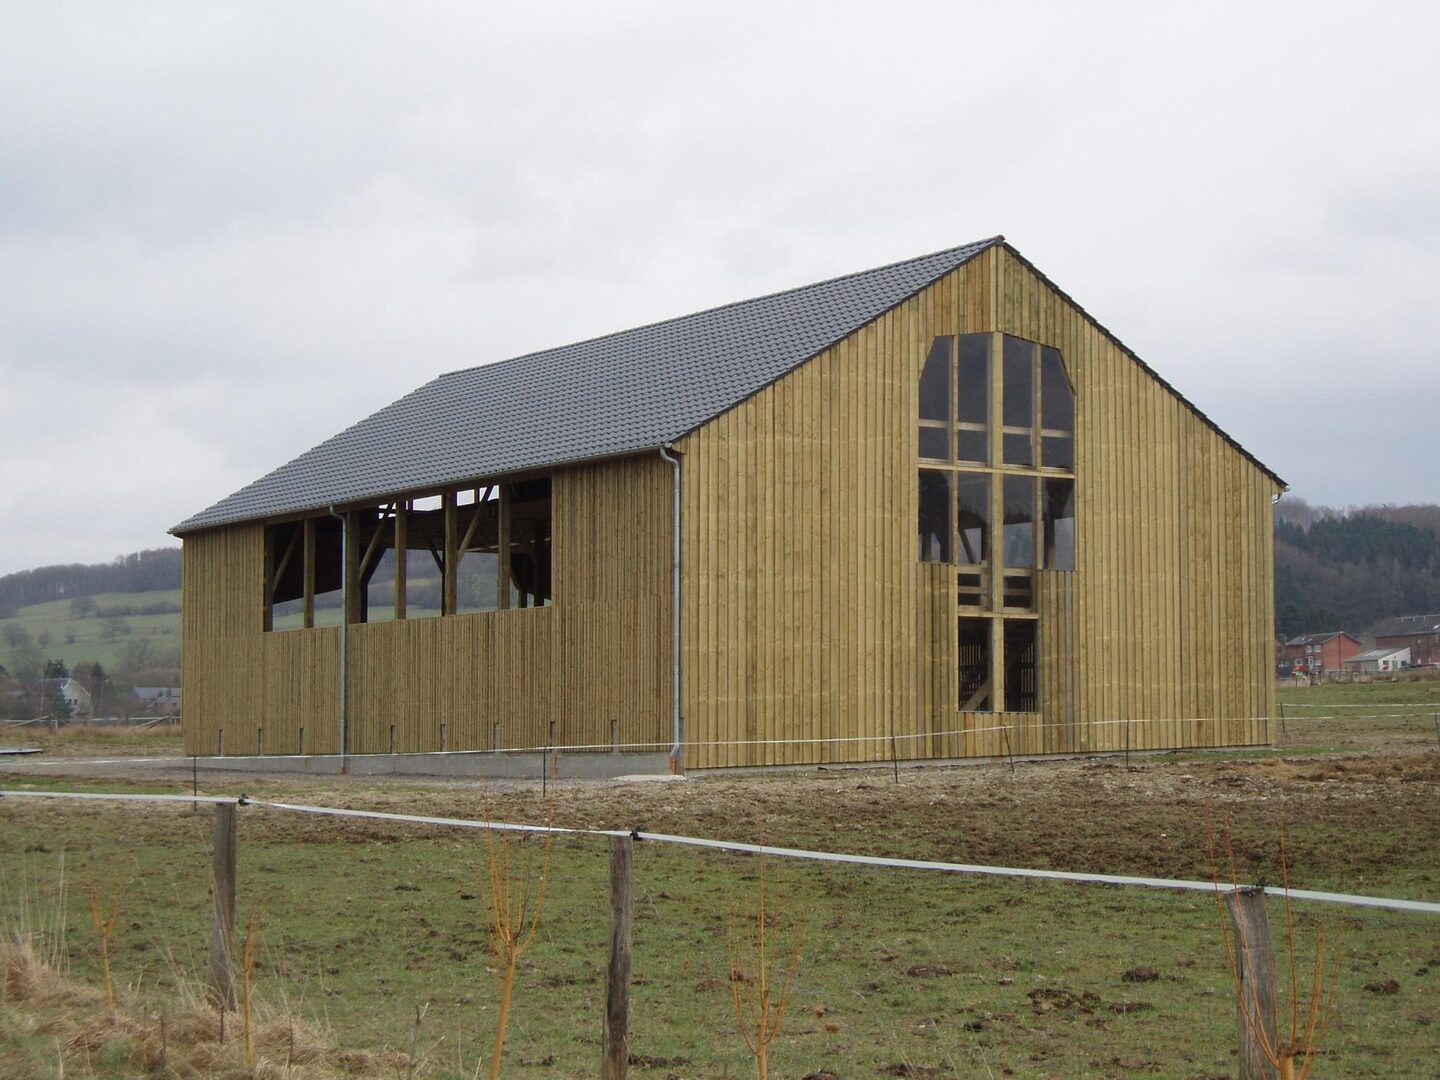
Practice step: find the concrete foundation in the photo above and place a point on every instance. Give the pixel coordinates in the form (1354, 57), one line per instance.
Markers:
(479, 764)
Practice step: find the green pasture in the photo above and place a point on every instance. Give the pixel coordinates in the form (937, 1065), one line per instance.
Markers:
(900, 972)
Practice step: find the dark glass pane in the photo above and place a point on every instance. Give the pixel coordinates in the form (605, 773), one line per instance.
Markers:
(1022, 690)
(1057, 400)
(935, 443)
(1019, 496)
(935, 382)
(934, 516)
(972, 498)
(972, 446)
(1019, 389)
(380, 590)
(1058, 452)
(970, 590)
(973, 368)
(974, 663)
(1019, 449)
(1060, 523)
(1018, 591)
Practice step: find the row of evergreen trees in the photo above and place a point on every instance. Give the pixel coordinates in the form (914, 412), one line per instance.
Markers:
(140, 571)
(1349, 569)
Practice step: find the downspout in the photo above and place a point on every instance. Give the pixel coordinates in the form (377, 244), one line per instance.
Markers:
(344, 622)
(677, 748)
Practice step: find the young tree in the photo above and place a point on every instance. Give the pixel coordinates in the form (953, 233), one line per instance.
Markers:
(135, 655)
(55, 703)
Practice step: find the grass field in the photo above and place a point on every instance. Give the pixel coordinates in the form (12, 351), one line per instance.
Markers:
(92, 642)
(902, 973)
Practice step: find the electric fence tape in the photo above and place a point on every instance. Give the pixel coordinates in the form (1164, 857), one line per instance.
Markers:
(737, 847)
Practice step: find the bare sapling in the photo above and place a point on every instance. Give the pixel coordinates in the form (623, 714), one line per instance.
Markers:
(247, 965)
(1290, 1053)
(517, 896)
(105, 905)
(761, 975)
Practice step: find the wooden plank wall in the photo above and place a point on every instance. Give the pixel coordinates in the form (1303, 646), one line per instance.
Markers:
(807, 616)
(600, 653)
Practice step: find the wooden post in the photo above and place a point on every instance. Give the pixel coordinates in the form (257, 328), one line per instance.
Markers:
(308, 531)
(1255, 970)
(222, 932)
(402, 549)
(502, 549)
(617, 987)
(450, 591)
(354, 586)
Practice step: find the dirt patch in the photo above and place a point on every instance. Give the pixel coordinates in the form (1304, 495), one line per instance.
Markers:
(1349, 817)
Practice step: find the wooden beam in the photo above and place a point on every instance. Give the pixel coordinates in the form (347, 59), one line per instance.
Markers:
(279, 571)
(502, 549)
(448, 570)
(354, 586)
(374, 541)
(401, 555)
(309, 531)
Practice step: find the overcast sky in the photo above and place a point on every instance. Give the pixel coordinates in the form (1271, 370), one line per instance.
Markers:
(228, 231)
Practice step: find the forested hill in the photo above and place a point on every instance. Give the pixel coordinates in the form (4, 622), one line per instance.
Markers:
(1347, 569)
(142, 571)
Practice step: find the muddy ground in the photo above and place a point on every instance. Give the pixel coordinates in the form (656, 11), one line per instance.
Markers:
(1355, 822)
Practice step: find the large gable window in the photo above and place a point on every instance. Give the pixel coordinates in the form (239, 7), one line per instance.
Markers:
(996, 444)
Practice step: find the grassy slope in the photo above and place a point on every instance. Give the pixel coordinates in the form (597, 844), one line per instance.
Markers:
(163, 631)
(54, 618)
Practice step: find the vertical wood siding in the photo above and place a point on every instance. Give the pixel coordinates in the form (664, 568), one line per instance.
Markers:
(600, 653)
(807, 615)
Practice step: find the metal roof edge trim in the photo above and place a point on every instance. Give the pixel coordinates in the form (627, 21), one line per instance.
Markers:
(380, 497)
(1146, 367)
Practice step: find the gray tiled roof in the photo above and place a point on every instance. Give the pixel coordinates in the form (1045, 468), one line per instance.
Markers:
(1406, 625)
(623, 393)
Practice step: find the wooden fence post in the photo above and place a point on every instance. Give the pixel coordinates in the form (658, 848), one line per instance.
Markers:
(617, 986)
(1255, 994)
(222, 932)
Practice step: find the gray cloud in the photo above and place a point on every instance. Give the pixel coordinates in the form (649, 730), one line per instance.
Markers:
(226, 232)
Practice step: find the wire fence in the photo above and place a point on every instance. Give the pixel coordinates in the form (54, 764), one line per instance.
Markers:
(375, 879)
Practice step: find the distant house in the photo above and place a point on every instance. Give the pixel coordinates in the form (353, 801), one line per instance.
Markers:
(75, 695)
(1316, 654)
(158, 700)
(1419, 633)
(1379, 661)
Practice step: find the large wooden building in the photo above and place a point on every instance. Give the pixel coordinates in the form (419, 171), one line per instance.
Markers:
(928, 511)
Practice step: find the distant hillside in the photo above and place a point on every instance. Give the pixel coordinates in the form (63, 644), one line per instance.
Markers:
(141, 571)
(1348, 569)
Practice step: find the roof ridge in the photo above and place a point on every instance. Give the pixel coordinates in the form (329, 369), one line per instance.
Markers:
(977, 245)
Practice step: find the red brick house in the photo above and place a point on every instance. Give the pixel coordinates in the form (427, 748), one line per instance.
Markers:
(1317, 654)
(1419, 633)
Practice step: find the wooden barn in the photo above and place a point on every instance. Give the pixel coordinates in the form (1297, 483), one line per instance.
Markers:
(927, 511)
